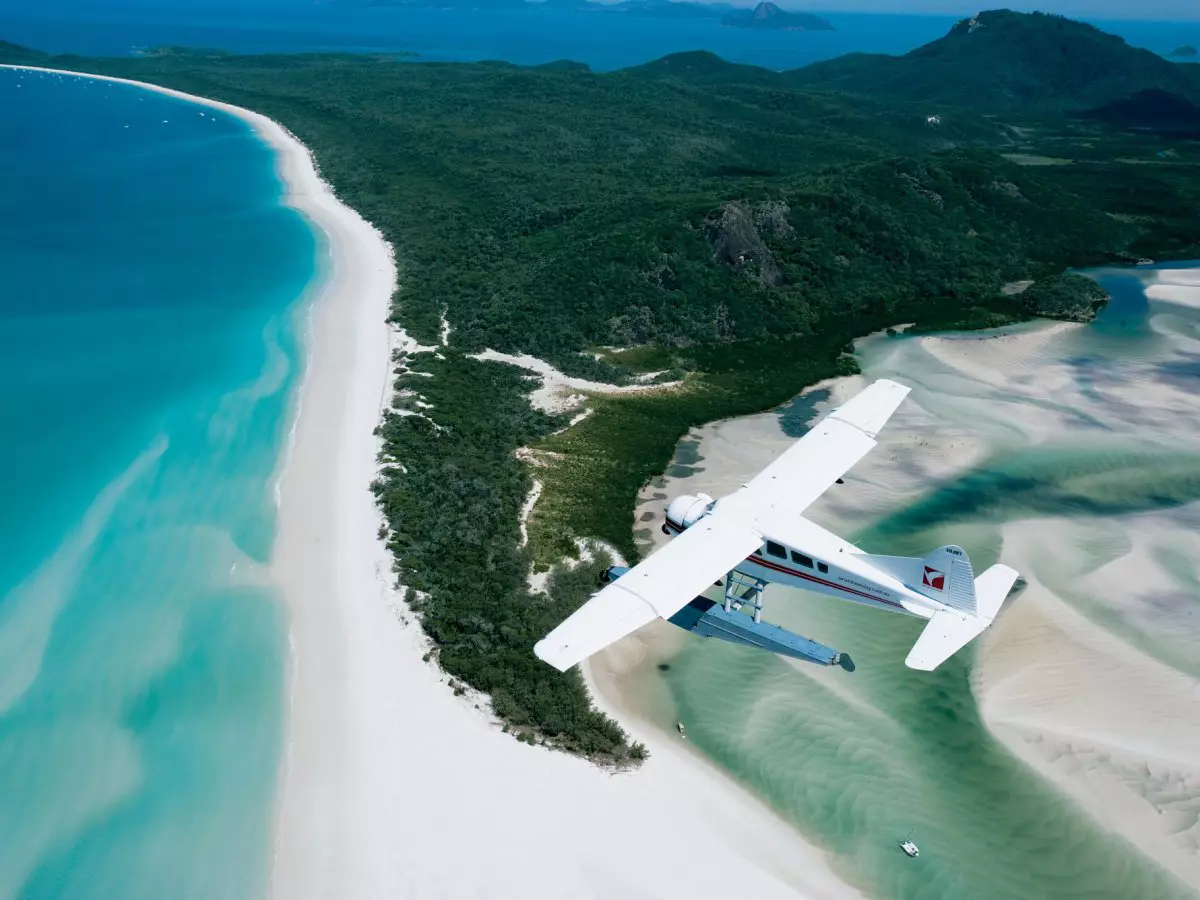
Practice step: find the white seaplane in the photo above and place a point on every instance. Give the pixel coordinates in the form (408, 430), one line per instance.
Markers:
(758, 536)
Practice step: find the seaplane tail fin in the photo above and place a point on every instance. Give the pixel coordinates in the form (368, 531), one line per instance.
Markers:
(949, 630)
(945, 575)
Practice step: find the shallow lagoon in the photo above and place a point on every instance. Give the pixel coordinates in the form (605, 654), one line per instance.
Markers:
(1072, 453)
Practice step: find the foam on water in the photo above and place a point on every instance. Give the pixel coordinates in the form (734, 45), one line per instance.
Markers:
(148, 351)
(1072, 453)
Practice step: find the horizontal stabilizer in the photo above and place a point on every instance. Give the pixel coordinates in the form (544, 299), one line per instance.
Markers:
(945, 634)
(991, 588)
(950, 630)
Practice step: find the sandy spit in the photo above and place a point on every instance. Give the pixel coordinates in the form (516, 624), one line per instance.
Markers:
(559, 392)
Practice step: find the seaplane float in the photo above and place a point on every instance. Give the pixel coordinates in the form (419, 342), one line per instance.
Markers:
(758, 535)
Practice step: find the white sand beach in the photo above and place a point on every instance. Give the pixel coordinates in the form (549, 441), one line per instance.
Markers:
(1180, 286)
(391, 785)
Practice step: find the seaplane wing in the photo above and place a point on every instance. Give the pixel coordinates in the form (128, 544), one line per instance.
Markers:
(727, 532)
(827, 452)
(658, 587)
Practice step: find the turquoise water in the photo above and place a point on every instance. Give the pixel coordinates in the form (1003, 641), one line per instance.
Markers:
(148, 322)
(857, 760)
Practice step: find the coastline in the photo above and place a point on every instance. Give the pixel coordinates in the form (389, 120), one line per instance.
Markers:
(389, 778)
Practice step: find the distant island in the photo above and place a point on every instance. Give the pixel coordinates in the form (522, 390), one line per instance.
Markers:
(765, 15)
(659, 9)
(1187, 51)
(768, 15)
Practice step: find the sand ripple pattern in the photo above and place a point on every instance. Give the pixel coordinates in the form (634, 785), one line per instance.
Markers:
(1059, 758)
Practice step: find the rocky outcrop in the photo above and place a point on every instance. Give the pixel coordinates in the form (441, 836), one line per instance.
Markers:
(1009, 190)
(736, 236)
(914, 184)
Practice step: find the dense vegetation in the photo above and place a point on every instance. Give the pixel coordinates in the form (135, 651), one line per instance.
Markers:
(737, 229)
(453, 504)
(1066, 296)
(1016, 62)
(1151, 110)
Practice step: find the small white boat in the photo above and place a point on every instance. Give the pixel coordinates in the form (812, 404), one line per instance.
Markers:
(909, 847)
(679, 725)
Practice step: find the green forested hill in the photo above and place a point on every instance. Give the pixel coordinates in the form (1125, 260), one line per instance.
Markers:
(550, 211)
(731, 226)
(18, 55)
(1003, 60)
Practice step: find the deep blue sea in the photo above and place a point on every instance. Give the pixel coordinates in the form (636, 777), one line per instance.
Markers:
(149, 285)
(603, 40)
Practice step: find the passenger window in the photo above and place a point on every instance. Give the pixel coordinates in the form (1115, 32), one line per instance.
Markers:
(822, 568)
(776, 550)
(803, 560)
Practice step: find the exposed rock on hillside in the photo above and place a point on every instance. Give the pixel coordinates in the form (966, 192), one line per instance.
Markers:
(736, 237)
(1009, 190)
(913, 183)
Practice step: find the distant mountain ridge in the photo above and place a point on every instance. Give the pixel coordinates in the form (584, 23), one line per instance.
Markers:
(1003, 59)
(998, 62)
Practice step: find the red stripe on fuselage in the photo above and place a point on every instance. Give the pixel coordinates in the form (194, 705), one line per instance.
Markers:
(803, 576)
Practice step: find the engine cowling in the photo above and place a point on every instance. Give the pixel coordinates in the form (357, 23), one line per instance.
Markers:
(686, 509)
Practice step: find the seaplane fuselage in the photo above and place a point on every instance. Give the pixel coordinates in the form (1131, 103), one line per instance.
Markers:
(814, 559)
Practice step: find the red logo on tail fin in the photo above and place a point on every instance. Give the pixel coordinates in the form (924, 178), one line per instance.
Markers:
(934, 579)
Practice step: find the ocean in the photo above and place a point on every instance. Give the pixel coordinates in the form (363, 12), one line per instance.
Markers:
(528, 37)
(148, 350)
